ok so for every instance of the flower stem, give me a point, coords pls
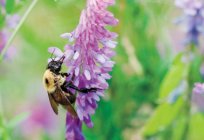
(32, 5)
(187, 106)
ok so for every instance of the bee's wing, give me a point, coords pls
(53, 104)
(67, 103)
(71, 110)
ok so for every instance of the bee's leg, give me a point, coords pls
(73, 77)
(71, 85)
(83, 90)
(65, 74)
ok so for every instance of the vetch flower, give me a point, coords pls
(2, 4)
(198, 96)
(193, 19)
(74, 128)
(37, 121)
(190, 7)
(89, 60)
(2, 35)
(3, 39)
(7, 26)
(10, 24)
(37, 117)
(12, 21)
(198, 89)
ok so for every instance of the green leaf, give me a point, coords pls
(196, 130)
(163, 116)
(17, 120)
(1, 21)
(1, 18)
(177, 72)
(4, 132)
(179, 127)
(10, 6)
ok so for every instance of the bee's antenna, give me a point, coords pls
(62, 58)
(52, 55)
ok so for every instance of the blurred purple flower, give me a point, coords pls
(193, 19)
(198, 96)
(2, 35)
(190, 7)
(89, 59)
(2, 7)
(2, 3)
(198, 88)
(12, 21)
(37, 120)
(5, 32)
(3, 39)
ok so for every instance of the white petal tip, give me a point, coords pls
(67, 36)
(87, 75)
(76, 55)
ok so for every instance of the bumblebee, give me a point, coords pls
(58, 87)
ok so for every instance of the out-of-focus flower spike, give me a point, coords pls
(12, 21)
(198, 97)
(198, 88)
(10, 24)
(193, 19)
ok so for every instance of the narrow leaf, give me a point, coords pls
(196, 130)
(176, 74)
(164, 115)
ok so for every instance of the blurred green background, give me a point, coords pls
(148, 69)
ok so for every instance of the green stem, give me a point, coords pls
(188, 116)
(17, 29)
(188, 103)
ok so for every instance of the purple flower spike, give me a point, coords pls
(193, 19)
(73, 130)
(89, 60)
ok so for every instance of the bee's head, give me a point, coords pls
(55, 66)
